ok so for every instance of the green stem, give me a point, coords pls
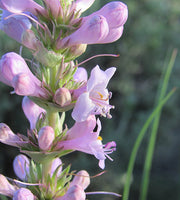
(151, 145)
(137, 145)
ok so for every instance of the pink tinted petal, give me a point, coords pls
(92, 31)
(82, 128)
(19, 6)
(114, 34)
(21, 166)
(83, 108)
(81, 178)
(80, 75)
(6, 188)
(82, 5)
(115, 12)
(32, 111)
(14, 26)
(75, 192)
(55, 164)
(23, 194)
(54, 6)
(102, 164)
(46, 136)
(97, 78)
(12, 64)
(8, 137)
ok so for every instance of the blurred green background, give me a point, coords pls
(150, 34)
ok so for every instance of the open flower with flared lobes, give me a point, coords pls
(81, 137)
(15, 72)
(95, 100)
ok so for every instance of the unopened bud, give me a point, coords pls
(82, 179)
(23, 194)
(21, 166)
(75, 192)
(62, 97)
(5, 187)
(46, 136)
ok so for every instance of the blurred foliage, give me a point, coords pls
(150, 34)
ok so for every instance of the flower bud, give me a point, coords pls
(21, 166)
(62, 97)
(82, 179)
(23, 194)
(54, 6)
(7, 136)
(5, 187)
(46, 136)
(75, 192)
(32, 111)
(93, 30)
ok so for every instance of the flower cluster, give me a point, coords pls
(53, 83)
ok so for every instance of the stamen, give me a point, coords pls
(99, 138)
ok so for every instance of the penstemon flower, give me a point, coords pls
(52, 83)
(95, 100)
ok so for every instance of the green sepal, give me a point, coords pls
(41, 157)
(51, 106)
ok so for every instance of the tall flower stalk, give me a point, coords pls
(56, 35)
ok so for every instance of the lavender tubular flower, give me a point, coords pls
(81, 137)
(23, 194)
(95, 100)
(32, 111)
(20, 6)
(14, 26)
(11, 64)
(21, 166)
(15, 73)
(28, 85)
(115, 12)
(8, 137)
(91, 31)
(6, 188)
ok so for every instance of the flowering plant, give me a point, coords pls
(56, 34)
